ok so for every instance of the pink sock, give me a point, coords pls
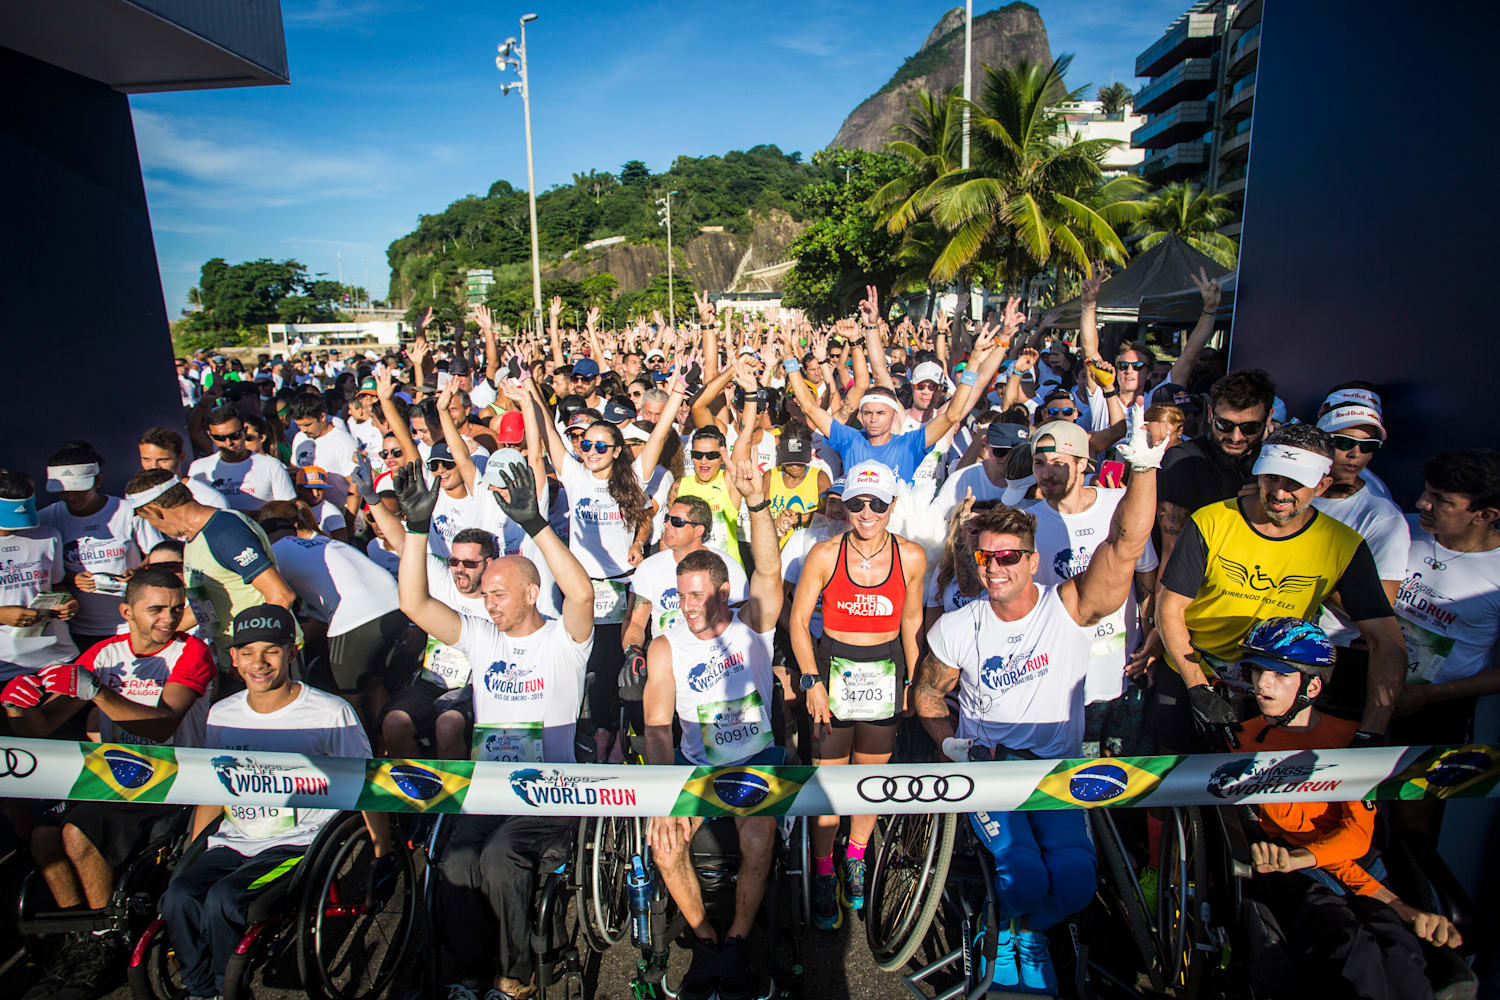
(823, 866)
(854, 852)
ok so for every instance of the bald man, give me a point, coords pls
(527, 674)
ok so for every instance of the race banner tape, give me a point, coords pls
(54, 769)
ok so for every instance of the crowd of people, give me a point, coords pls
(745, 540)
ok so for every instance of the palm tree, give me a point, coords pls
(1116, 98)
(1192, 213)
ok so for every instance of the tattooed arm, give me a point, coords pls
(935, 679)
(1171, 519)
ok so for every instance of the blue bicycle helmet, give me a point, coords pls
(1289, 645)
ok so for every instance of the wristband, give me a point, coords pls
(968, 378)
(534, 526)
(757, 508)
(791, 365)
(1109, 395)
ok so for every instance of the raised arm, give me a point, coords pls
(869, 318)
(554, 310)
(818, 417)
(456, 443)
(1088, 313)
(651, 450)
(984, 362)
(764, 605)
(485, 320)
(572, 579)
(1212, 293)
(703, 406)
(417, 603)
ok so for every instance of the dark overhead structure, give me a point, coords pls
(87, 285)
(1165, 268)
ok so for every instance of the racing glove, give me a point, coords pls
(23, 692)
(1210, 708)
(633, 674)
(522, 505)
(72, 679)
(417, 501)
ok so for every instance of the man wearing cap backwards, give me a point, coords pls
(245, 479)
(1072, 520)
(206, 904)
(1018, 661)
(1266, 553)
(32, 557)
(527, 682)
(227, 561)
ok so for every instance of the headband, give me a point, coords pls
(1298, 464)
(17, 514)
(879, 400)
(149, 494)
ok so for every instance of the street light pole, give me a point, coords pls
(666, 213)
(504, 61)
(968, 61)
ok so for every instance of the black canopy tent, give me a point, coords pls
(1159, 271)
(1182, 307)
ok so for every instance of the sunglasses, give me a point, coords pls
(584, 447)
(682, 522)
(173, 567)
(857, 504)
(438, 465)
(1249, 428)
(1060, 411)
(466, 563)
(1005, 557)
(1136, 365)
(926, 385)
(706, 456)
(228, 437)
(1344, 442)
(391, 453)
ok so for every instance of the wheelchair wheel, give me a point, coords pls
(907, 884)
(1125, 898)
(1183, 868)
(602, 864)
(348, 949)
(158, 976)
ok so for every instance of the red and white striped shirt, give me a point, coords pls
(141, 678)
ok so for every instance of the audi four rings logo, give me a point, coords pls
(18, 763)
(916, 788)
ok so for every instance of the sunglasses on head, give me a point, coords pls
(706, 456)
(466, 563)
(681, 522)
(857, 504)
(1060, 411)
(1344, 442)
(1005, 557)
(1249, 428)
(584, 447)
(236, 435)
(438, 464)
(1136, 365)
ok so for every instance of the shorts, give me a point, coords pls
(369, 654)
(460, 700)
(418, 700)
(825, 649)
(119, 831)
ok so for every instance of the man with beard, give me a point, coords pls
(1266, 553)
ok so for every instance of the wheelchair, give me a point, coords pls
(344, 949)
(554, 924)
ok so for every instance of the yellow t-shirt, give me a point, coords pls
(725, 534)
(801, 499)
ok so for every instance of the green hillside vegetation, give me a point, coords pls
(936, 54)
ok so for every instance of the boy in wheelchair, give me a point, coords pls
(712, 670)
(207, 903)
(1315, 866)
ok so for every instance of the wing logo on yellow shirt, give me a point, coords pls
(1259, 581)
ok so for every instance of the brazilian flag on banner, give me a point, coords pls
(1113, 781)
(741, 791)
(415, 786)
(112, 772)
(1443, 772)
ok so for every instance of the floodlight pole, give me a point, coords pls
(968, 83)
(536, 260)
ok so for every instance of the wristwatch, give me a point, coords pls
(756, 508)
(807, 681)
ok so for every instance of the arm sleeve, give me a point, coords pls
(1184, 572)
(1359, 588)
(281, 484)
(841, 436)
(236, 547)
(195, 668)
(346, 738)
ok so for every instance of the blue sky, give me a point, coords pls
(394, 109)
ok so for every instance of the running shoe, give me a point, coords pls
(461, 991)
(56, 977)
(701, 981)
(828, 915)
(1150, 883)
(854, 883)
(1007, 974)
(1035, 963)
(736, 981)
(97, 967)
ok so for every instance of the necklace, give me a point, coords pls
(1440, 564)
(864, 560)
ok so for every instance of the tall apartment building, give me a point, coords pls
(1198, 99)
(1088, 120)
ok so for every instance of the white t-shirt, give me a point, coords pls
(1021, 682)
(970, 477)
(330, 518)
(336, 453)
(245, 485)
(336, 582)
(527, 690)
(1383, 527)
(724, 690)
(794, 552)
(952, 599)
(597, 533)
(655, 580)
(31, 562)
(316, 723)
(101, 542)
(1449, 609)
(1065, 544)
(147, 538)
(450, 515)
(141, 678)
(383, 557)
(444, 665)
(367, 436)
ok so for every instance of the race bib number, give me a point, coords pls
(1109, 635)
(444, 665)
(203, 611)
(512, 743)
(734, 730)
(862, 692)
(261, 822)
(1426, 652)
(610, 599)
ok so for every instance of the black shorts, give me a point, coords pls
(460, 700)
(369, 654)
(825, 649)
(118, 830)
(417, 700)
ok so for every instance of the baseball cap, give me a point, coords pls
(570, 404)
(585, 368)
(1003, 435)
(499, 462)
(1297, 464)
(796, 451)
(656, 354)
(639, 430)
(928, 371)
(367, 385)
(512, 428)
(264, 623)
(617, 411)
(1067, 437)
(1278, 409)
(1058, 393)
(314, 477)
(870, 479)
(836, 488)
(660, 376)
(1360, 397)
(1172, 394)
(579, 420)
(72, 478)
(1351, 415)
(440, 451)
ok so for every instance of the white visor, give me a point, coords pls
(148, 495)
(1297, 464)
(71, 478)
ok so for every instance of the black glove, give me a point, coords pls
(521, 507)
(1365, 738)
(1210, 708)
(415, 498)
(633, 674)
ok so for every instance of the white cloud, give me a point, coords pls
(330, 13)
